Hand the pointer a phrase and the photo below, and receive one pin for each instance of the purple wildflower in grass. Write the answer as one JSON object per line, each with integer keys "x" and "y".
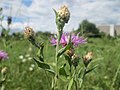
{"x": 75, "y": 39}
{"x": 3, "y": 55}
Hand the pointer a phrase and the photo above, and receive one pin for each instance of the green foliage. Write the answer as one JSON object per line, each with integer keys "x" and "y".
{"x": 106, "y": 53}
{"x": 44, "y": 66}
{"x": 87, "y": 27}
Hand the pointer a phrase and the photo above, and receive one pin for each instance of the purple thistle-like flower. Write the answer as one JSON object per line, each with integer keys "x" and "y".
{"x": 75, "y": 40}
{"x": 3, "y": 55}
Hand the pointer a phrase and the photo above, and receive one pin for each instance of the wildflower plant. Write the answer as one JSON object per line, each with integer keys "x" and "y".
{"x": 65, "y": 44}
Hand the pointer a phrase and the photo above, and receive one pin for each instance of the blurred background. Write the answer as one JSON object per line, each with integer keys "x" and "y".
{"x": 96, "y": 20}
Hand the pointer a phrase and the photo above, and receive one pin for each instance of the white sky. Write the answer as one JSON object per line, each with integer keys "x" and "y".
{"x": 39, "y": 13}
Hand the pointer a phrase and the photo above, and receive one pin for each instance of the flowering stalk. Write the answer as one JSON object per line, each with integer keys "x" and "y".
{"x": 69, "y": 42}
{"x": 29, "y": 34}
{"x": 62, "y": 17}
{"x": 86, "y": 60}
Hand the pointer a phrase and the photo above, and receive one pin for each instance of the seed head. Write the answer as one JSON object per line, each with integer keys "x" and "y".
{"x": 28, "y": 32}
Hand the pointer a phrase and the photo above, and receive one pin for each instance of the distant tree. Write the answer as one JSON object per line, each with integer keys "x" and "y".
{"x": 87, "y": 27}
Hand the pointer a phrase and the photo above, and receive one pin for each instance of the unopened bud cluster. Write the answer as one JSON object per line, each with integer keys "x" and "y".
{"x": 28, "y": 32}
{"x": 64, "y": 13}
{"x": 74, "y": 59}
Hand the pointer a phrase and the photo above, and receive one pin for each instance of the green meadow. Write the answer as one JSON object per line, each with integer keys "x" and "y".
{"x": 24, "y": 74}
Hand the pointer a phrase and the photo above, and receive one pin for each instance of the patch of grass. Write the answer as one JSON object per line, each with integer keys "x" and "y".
{"x": 20, "y": 77}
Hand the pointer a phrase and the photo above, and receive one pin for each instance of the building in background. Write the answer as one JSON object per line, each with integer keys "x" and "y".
{"x": 112, "y": 30}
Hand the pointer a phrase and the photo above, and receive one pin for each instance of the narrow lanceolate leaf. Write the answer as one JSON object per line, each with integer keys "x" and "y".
{"x": 91, "y": 69}
{"x": 51, "y": 71}
{"x": 68, "y": 59}
{"x": 70, "y": 84}
{"x": 62, "y": 50}
{"x": 62, "y": 71}
{"x": 55, "y": 11}
{"x": 44, "y": 65}
{"x": 79, "y": 73}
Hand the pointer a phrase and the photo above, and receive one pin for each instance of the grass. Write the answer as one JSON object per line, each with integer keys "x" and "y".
{"x": 20, "y": 77}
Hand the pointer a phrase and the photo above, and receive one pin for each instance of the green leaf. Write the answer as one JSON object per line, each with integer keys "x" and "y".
{"x": 62, "y": 50}
{"x": 42, "y": 64}
{"x": 70, "y": 84}
{"x": 51, "y": 71}
{"x": 91, "y": 69}
{"x": 68, "y": 59}
{"x": 62, "y": 71}
{"x": 79, "y": 73}
{"x": 55, "y": 12}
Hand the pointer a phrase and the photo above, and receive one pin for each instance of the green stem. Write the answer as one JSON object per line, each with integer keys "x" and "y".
{"x": 47, "y": 78}
{"x": 75, "y": 80}
{"x": 56, "y": 60}
{"x": 82, "y": 78}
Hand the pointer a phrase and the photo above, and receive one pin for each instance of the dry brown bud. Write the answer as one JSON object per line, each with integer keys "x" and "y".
{"x": 64, "y": 13}
{"x": 28, "y": 32}
{"x": 87, "y": 58}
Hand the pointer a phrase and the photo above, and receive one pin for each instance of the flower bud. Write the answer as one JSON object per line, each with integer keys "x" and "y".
{"x": 75, "y": 60}
{"x": 4, "y": 70}
{"x": 87, "y": 58}
{"x": 70, "y": 52}
{"x": 64, "y": 13}
{"x": 28, "y": 32}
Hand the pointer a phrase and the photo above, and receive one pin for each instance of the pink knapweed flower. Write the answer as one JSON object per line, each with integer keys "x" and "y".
{"x": 75, "y": 40}
{"x": 3, "y": 55}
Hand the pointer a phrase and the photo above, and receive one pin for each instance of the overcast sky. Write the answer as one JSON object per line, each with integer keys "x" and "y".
{"x": 39, "y": 13}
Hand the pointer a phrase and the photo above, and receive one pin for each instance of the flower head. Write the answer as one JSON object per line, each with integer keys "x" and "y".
{"x": 75, "y": 40}
{"x": 64, "y": 13}
{"x": 28, "y": 32}
{"x": 3, "y": 55}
